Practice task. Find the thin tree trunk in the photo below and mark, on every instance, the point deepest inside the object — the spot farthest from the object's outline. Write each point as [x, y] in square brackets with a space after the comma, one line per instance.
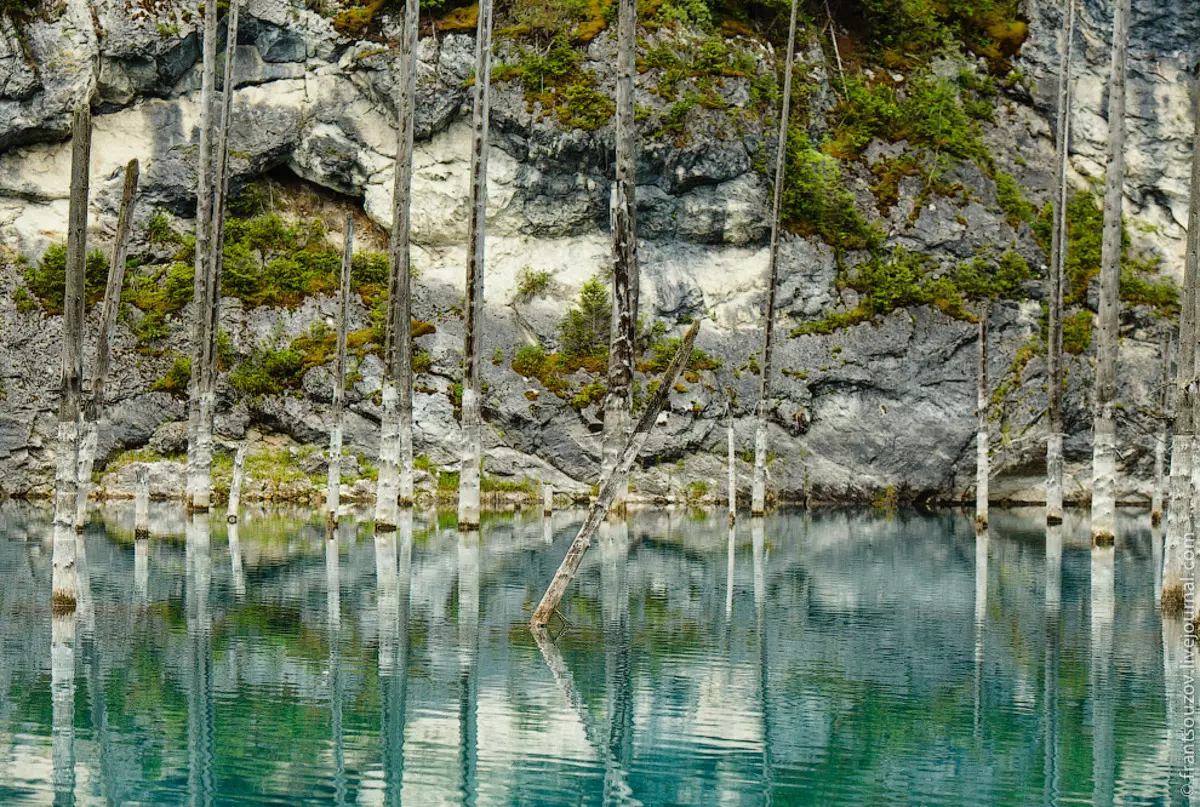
[732, 468]
[611, 483]
[982, 441]
[1179, 510]
[1104, 433]
[547, 499]
[141, 503]
[202, 497]
[333, 484]
[93, 411]
[623, 223]
[472, 420]
[395, 445]
[201, 301]
[1160, 438]
[141, 569]
[65, 583]
[233, 506]
[1058, 250]
[758, 500]
[235, 561]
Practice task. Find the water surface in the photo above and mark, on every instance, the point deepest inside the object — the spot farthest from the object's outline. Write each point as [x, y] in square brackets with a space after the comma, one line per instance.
[838, 658]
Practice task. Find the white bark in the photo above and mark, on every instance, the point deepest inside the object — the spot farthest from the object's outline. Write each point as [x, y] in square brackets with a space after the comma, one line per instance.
[547, 499]
[758, 498]
[400, 247]
[388, 596]
[233, 506]
[982, 441]
[201, 300]
[1179, 509]
[64, 580]
[235, 560]
[472, 419]
[141, 503]
[338, 413]
[1104, 439]
[1058, 242]
[732, 488]
[1160, 437]
[141, 570]
[387, 486]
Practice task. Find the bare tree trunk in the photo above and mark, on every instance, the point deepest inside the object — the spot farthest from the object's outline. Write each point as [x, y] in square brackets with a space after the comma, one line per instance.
[472, 419]
[141, 503]
[235, 560]
[334, 480]
[65, 584]
[758, 499]
[547, 499]
[395, 446]
[201, 301]
[1160, 438]
[1179, 510]
[1104, 434]
[611, 483]
[141, 569]
[732, 468]
[233, 506]
[623, 222]
[93, 411]
[202, 496]
[982, 441]
[1058, 251]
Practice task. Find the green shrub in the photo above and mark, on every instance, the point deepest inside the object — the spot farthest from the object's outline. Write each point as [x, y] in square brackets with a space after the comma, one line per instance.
[1012, 201]
[268, 371]
[586, 327]
[531, 282]
[1077, 332]
[815, 199]
[47, 279]
[177, 377]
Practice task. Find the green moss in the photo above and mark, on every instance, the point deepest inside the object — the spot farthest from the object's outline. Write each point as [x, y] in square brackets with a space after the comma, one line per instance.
[557, 82]
[1077, 332]
[815, 199]
[268, 371]
[1012, 200]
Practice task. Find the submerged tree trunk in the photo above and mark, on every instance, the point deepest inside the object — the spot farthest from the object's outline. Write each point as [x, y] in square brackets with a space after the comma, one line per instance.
[1179, 510]
[337, 415]
[1104, 433]
[611, 483]
[758, 499]
[71, 382]
[234, 505]
[623, 222]
[202, 497]
[982, 442]
[1058, 251]
[141, 503]
[472, 419]
[395, 446]
[201, 302]
[93, 411]
[732, 468]
[1160, 437]
[547, 499]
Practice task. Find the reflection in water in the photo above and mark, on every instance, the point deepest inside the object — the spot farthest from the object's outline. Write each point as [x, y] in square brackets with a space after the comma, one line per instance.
[1101, 678]
[235, 559]
[837, 665]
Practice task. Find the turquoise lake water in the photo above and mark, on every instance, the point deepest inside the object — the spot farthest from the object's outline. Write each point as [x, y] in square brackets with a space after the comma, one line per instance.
[824, 658]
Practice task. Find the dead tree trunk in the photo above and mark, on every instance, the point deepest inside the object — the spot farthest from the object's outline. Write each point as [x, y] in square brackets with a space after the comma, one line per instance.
[610, 483]
[234, 505]
[93, 410]
[623, 222]
[758, 500]
[395, 447]
[141, 503]
[1104, 433]
[472, 419]
[1058, 251]
[1160, 437]
[1179, 509]
[201, 302]
[64, 582]
[732, 466]
[982, 441]
[547, 499]
[334, 480]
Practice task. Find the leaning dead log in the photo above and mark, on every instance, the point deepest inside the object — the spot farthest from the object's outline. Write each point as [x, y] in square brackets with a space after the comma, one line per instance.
[611, 484]
[93, 410]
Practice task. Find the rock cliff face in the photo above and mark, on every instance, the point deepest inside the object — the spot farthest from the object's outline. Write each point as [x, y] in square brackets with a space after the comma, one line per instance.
[884, 403]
